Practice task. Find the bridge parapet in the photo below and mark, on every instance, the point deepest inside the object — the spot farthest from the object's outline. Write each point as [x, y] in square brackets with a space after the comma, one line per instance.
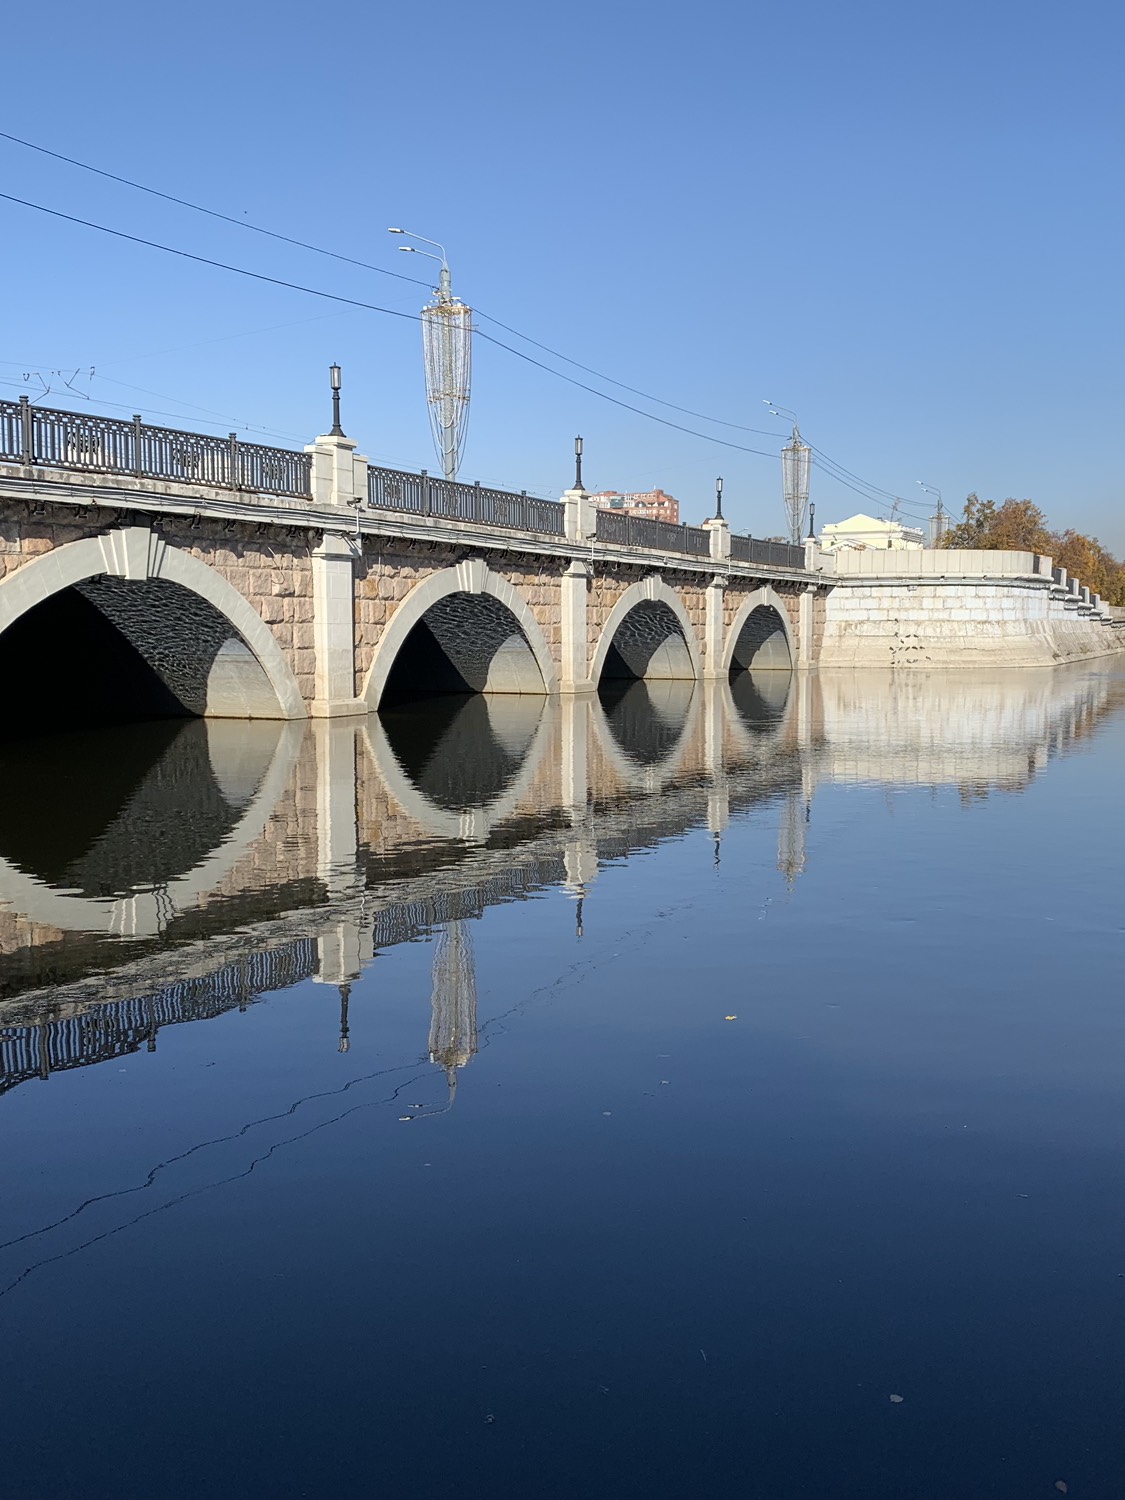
[939, 562]
[330, 476]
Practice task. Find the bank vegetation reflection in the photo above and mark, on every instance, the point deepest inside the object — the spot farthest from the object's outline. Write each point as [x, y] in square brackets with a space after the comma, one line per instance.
[168, 873]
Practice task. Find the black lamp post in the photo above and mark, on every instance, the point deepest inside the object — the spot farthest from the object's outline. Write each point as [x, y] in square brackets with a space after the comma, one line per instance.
[812, 522]
[345, 994]
[718, 499]
[334, 377]
[577, 463]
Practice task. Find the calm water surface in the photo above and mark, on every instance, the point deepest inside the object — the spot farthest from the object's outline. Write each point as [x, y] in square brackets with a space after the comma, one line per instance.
[689, 1093]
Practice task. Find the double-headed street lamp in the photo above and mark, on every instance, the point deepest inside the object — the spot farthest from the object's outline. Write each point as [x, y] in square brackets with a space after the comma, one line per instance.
[445, 287]
[939, 518]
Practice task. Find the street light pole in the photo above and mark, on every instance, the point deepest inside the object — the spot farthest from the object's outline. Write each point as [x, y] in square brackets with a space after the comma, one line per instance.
[334, 379]
[578, 463]
[718, 499]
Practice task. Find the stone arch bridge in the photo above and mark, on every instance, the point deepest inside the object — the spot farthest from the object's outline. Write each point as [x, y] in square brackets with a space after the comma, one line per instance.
[145, 571]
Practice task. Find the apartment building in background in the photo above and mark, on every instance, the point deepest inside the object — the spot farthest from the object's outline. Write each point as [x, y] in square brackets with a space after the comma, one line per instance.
[653, 504]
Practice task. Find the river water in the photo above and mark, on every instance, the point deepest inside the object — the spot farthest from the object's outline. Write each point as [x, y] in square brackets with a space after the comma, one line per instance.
[687, 1093]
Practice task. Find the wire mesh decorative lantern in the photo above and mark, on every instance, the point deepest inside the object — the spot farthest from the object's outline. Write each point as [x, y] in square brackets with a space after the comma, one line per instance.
[795, 458]
[447, 347]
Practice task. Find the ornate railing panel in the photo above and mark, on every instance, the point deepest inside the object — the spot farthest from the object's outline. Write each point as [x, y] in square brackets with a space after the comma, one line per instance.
[423, 495]
[43, 436]
[747, 549]
[641, 531]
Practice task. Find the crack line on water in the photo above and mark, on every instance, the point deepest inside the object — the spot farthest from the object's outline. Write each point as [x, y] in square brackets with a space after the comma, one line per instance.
[219, 1140]
[575, 971]
[208, 1186]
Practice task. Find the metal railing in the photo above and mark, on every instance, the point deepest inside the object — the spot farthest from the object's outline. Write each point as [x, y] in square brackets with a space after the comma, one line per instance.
[747, 549]
[423, 495]
[642, 531]
[39, 436]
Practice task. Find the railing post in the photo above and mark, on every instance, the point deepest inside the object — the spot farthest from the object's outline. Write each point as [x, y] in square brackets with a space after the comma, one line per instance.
[27, 446]
[425, 492]
[233, 460]
[719, 533]
[338, 477]
[476, 501]
[138, 463]
[579, 516]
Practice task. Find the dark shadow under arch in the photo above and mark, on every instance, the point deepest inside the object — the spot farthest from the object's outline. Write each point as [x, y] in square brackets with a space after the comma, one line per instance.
[648, 644]
[64, 663]
[464, 643]
[114, 651]
[762, 643]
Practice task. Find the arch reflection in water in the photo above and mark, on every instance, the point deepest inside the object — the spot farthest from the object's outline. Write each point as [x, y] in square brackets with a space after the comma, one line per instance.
[566, 807]
[760, 699]
[116, 829]
[463, 752]
[459, 767]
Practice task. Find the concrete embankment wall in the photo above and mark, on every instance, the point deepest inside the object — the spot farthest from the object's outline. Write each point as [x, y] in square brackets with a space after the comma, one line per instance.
[960, 609]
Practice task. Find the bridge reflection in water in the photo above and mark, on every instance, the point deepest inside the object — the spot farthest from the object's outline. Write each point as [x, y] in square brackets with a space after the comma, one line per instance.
[175, 872]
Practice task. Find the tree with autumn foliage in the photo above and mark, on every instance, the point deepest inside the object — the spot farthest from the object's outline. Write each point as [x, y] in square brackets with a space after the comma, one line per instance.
[1020, 526]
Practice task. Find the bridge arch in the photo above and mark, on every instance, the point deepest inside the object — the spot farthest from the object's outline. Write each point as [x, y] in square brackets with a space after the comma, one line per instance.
[759, 635]
[142, 584]
[647, 635]
[494, 646]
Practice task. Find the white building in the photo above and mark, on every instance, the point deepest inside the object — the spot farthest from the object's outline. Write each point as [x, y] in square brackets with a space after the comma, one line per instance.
[861, 532]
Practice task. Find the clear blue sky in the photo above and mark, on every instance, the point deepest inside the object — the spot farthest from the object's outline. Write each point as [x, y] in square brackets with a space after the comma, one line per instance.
[904, 222]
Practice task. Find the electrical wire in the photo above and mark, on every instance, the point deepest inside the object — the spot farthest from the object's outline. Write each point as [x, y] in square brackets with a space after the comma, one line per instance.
[210, 212]
[349, 260]
[828, 464]
[719, 421]
[391, 312]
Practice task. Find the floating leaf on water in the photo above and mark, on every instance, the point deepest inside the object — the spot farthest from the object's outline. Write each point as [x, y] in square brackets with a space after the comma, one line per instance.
[404, 1118]
[665, 1080]
[1060, 1485]
[730, 1018]
[898, 1400]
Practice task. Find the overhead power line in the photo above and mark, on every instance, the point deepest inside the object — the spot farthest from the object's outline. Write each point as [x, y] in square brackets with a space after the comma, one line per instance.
[828, 464]
[212, 213]
[390, 312]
